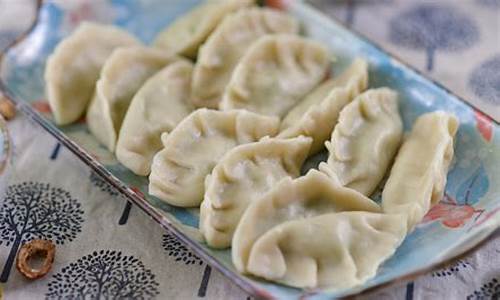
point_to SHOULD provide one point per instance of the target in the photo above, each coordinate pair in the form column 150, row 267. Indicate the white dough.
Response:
column 185, row 35
column 223, row 49
column 365, row 140
column 195, row 146
column 307, row 196
column 333, row 251
column 244, row 174
column 317, row 114
column 159, row 105
column 418, row 177
column 276, row 73
column 121, row 77
column 73, row 69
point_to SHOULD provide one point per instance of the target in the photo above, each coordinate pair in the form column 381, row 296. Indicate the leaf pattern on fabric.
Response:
column 452, row 269
column 34, row 210
column 181, row 253
column 433, row 27
column 178, row 251
column 104, row 274
column 105, row 187
column 348, row 8
column 484, row 81
column 102, row 184
column 489, row 290
column 490, row 3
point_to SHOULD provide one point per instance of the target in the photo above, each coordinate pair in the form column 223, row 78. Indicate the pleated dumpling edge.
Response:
column 73, row 69
column 194, row 147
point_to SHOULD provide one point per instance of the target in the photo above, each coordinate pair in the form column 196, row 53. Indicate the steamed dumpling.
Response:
column 226, row 45
column 418, row 177
column 365, row 140
column 307, row 196
column 195, row 146
column 317, row 114
column 73, row 69
column 185, row 35
column 275, row 73
column 244, row 174
column 161, row 103
column 333, row 251
column 122, row 75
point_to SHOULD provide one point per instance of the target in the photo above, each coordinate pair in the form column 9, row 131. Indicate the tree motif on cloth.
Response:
column 33, row 210
column 181, row 253
column 104, row 274
column 433, row 27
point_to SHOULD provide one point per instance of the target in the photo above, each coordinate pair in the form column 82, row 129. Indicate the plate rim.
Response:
column 164, row 221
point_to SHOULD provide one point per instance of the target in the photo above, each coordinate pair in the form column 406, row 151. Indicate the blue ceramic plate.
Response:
column 466, row 216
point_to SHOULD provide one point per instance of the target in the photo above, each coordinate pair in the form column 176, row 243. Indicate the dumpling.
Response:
column 307, row 196
column 365, row 140
column 275, row 73
column 161, row 103
column 195, row 146
column 73, row 69
column 418, row 177
column 354, row 79
column 122, row 75
column 333, row 251
column 185, row 35
column 244, row 174
column 223, row 49
column 317, row 114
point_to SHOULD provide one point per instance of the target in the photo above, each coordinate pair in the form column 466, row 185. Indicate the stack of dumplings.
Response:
column 74, row 68
column 225, row 47
column 122, row 75
column 222, row 111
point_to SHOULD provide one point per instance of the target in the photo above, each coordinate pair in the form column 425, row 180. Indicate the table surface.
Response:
column 456, row 43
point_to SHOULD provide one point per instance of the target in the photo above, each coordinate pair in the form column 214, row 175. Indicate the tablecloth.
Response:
column 107, row 248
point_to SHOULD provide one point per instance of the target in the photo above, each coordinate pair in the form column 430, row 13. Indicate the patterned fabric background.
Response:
column 457, row 43
column 107, row 248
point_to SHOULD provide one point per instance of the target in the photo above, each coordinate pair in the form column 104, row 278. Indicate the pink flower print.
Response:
column 450, row 213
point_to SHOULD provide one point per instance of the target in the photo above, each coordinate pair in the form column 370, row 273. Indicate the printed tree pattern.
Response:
column 105, row 187
column 100, row 183
column 181, row 253
column 350, row 7
column 55, row 152
column 490, row 290
column 36, row 210
column 490, row 3
column 125, row 213
column 410, row 286
column 485, row 81
column 350, row 11
column 453, row 269
column 433, row 27
column 104, row 274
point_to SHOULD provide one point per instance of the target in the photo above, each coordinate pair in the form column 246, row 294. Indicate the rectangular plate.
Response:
column 466, row 216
